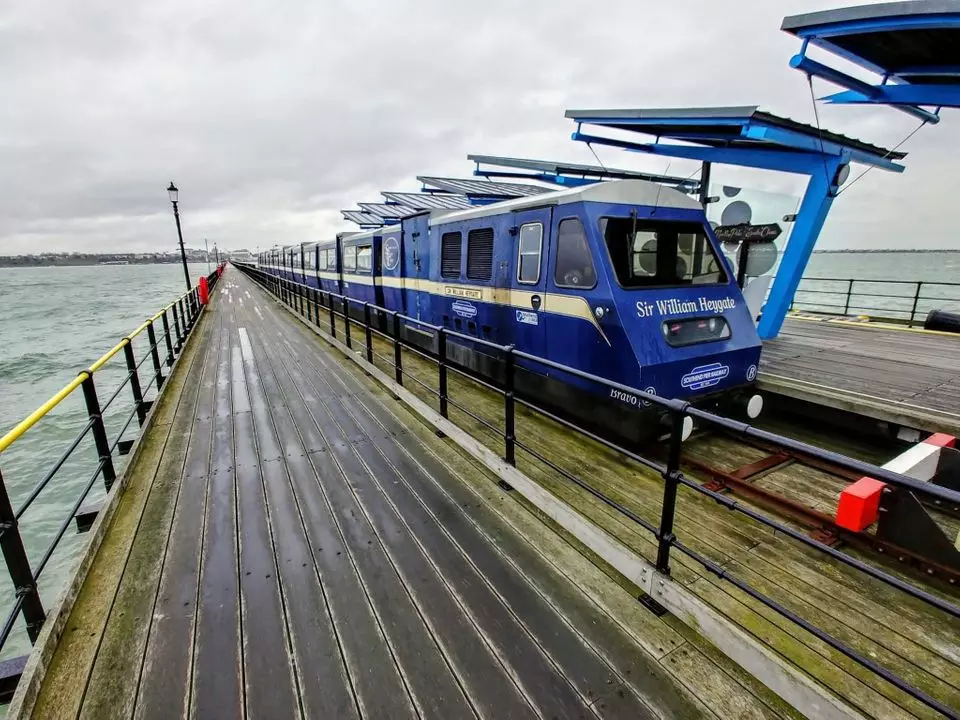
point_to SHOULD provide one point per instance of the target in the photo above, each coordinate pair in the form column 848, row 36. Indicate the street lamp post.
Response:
column 173, row 192
column 206, row 247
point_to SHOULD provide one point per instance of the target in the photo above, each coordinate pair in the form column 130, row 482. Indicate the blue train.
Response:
column 621, row 279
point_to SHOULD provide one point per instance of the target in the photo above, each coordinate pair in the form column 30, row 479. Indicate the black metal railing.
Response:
column 901, row 301
column 166, row 332
column 311, row 303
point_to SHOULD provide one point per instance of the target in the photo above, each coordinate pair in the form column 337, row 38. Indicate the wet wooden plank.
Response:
column 375, row 679
column 476, row 667
column 428, row 677
column 164, row 686
column 539, row 680
column 271, row 687
column 218, row 671
column 325, row 689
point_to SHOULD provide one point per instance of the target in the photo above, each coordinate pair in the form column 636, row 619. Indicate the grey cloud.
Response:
column 271, row 117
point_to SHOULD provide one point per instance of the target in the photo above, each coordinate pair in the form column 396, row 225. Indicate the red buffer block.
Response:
column 204, row 291
column 859, row 504
column 941, row 440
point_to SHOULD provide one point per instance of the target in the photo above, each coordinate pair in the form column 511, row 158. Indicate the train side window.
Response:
column 480, row 254
column 574, row 267
column 350, row 259
column 364, row 259
column 528, row 253
column 451, row 250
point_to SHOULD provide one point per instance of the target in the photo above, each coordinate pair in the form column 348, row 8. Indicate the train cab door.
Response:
column 416, row 262
column 529, row 277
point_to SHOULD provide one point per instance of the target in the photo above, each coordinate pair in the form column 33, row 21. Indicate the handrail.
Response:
column 297, row 295
column 841, row 300
column 164, row 345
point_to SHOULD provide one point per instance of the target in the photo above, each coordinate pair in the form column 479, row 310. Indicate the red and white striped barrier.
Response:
column 859, row 505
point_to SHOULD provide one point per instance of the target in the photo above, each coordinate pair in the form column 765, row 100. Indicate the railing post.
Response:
column 442, row 368
column 316, row 306
column 846, row 304
column 99, row 430
column 155, row 355
column 176, row 327
column 333, row 317
column 184, row 320
column 18, row 566
column 671, row 482
column 135, row 381
column 346, row 321
column 916, row 299
column 367, row 334
column 397, row 355
column 309, row 290
column 166, row 337
column 509, row 431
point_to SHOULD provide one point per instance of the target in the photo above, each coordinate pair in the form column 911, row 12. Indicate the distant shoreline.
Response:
column 96, row 259
column 889, row 250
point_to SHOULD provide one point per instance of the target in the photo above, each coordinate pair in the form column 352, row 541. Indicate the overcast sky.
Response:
column 271, row 117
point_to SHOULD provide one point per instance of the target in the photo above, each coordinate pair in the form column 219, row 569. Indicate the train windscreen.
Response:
column 660, row 253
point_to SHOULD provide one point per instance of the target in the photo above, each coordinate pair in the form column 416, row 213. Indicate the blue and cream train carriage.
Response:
column 620, row 279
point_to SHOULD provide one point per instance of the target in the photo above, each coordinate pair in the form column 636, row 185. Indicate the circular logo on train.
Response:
column 653, row 391
column 391, row 253
column 751, row 373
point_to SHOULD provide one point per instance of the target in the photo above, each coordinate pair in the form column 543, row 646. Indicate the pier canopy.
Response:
column 387, row 211
column 427, row 201
column 438, row 193
column 479, row 191
column 365, row 220
column 913, row 46
column 749, row 137
column 568, row 174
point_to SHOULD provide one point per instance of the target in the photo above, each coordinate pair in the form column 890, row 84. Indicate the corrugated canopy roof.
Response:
column 565, row 168
column 480, row 188
column 918, row 42
column 428, row 201
column 744, row 126
column 363, row 219
column 388, row 212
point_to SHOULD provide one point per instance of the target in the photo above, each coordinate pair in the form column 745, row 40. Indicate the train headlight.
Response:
column 599, row 312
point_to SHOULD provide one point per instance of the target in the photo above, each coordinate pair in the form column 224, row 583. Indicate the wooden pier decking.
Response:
column 292, row 542
column 915, row 641
column 902, row 376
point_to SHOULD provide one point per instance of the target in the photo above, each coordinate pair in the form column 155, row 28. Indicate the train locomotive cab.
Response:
column 623, row 280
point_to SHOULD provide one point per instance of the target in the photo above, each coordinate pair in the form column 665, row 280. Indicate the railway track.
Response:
column 773, row 478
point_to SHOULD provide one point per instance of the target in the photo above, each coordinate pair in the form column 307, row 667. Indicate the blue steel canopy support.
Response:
column 869, row 92
column 817, row 199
